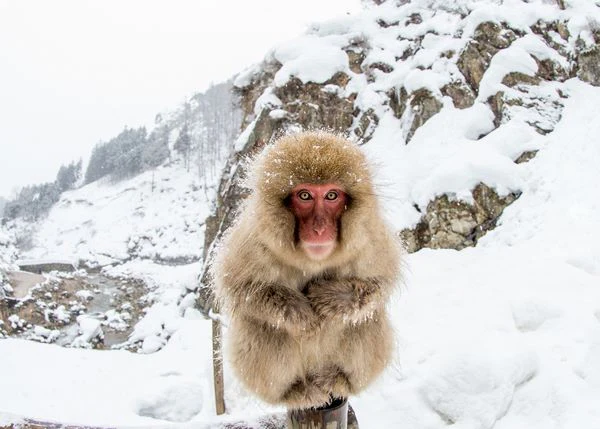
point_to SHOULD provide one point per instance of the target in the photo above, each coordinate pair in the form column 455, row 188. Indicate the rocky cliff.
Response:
column 402, row 64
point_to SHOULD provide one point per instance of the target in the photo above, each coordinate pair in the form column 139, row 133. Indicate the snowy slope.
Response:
column 503, row 335
column 157, row 215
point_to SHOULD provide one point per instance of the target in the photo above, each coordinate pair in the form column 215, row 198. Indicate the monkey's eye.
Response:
column 331, row 195
column 304, row 195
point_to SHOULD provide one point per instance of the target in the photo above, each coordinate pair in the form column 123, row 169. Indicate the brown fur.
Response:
column 301, row 330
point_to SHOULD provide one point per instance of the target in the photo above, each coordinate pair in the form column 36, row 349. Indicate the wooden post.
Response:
column 334, row 416
column 217, row 356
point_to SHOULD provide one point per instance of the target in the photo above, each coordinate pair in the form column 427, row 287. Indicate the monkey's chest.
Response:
column 322, row 345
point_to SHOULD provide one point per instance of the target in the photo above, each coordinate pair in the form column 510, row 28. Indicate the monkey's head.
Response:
column 311, row 191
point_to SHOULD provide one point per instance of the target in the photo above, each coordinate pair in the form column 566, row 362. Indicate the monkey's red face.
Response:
column 317, row 209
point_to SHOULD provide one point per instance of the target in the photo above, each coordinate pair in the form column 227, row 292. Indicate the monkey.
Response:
column 305, row 272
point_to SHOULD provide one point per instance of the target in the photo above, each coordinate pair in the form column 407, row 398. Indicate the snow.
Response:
column 175, row 399
column 110, row 388
column 513, row 138
column 562, row 199
column 84, row 294
column 242, row 139
column 89, row 328
column 8, row 255
column 445, row 155
column 512, row 59
column 170, row 294
column 59, row 314
column 476, row 385
column 268, row 98
column 505, row 335
column 244, row 78
column 516, row 58
column 520, row 16
column 310, row 59
column 103, row 223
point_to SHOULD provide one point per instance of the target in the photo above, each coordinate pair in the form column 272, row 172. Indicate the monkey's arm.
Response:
column 279, row 306
column 349, row 299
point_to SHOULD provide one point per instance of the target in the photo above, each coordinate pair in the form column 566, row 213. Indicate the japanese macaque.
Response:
column 305, row 273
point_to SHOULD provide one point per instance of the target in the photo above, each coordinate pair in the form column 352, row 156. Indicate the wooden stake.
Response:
column 218, row 367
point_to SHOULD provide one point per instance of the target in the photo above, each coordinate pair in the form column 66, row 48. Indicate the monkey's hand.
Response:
column 351, row 300
column 283, row 308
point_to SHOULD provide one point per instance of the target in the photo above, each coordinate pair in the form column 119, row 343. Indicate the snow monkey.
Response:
column 305, row 273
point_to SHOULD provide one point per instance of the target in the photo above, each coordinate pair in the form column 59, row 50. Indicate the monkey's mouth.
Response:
column 318, row 251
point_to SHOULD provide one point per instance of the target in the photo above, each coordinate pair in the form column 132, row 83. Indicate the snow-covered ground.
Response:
column 111, row 388
column 503, row 335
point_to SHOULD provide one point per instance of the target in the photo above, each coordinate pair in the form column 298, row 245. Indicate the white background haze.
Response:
column 75, row 72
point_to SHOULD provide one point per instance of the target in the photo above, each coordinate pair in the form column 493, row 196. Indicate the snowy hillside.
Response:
column 136, row 225
column 145, row 194
column 158, row 215
column 447, row 96
column 138, row 218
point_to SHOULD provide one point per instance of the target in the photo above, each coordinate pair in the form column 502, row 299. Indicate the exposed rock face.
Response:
column 367, row 123
column 251, row 92
column 355, row 59
column 462, row 96
column 423, row 105
column 454, row 224
column 316, row 106
column 589, row 66
column 474, row 60
column 526, row 156
column 398, row 98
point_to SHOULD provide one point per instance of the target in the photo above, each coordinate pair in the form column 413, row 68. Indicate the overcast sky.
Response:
column 75, row 72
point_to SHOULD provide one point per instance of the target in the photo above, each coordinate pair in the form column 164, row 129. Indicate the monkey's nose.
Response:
column 319, row 229
column 319, row 225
